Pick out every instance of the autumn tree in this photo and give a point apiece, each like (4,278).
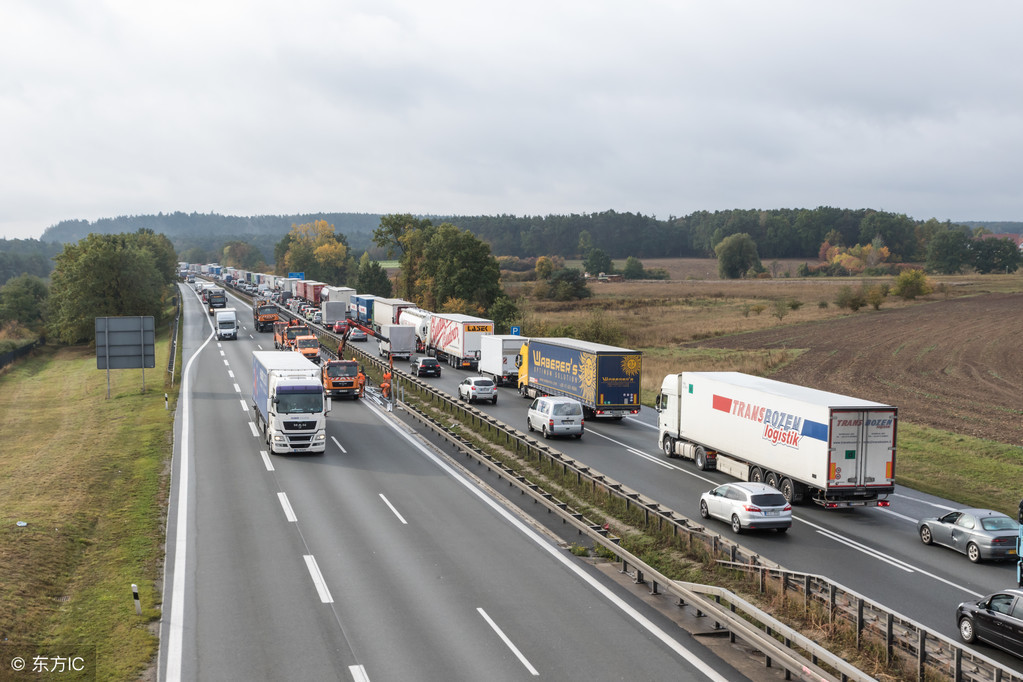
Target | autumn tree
(737,254)
(314,248)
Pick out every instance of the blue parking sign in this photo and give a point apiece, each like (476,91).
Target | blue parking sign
(516,331)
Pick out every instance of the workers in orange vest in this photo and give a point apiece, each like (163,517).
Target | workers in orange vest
(361,378)
(385,385)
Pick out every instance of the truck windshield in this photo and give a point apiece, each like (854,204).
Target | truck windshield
(336,371)
(227,324)
(266,310)
(296,403)
(308,343)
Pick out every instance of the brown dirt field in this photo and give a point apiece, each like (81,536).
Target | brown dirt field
(955,365)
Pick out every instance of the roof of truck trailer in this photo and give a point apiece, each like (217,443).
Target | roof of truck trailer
(587,346)
(787,390)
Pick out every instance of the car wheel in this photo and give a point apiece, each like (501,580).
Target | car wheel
(704,512)
(925,535)
(973,553)
(966,630)
(529,425)
(578,436)
(494,401)
(736,525)
(668,445)
(545,434)
(783,530)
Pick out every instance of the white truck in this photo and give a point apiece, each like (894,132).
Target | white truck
(287,396)
(333,311)
(832,449)
(497,358)
(226,323)
(455,338)
(387,310)
(419,320)
(398,341)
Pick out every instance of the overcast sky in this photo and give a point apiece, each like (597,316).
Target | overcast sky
(525,107)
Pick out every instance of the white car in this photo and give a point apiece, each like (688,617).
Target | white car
(475,389)
(556,416)
(747,506)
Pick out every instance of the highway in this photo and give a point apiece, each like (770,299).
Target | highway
(375,561)
(874,551)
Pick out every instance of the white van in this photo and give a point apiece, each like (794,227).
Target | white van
(227,324)
(556,416)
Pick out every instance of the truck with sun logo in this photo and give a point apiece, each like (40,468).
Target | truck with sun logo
(831,449)
(605,379)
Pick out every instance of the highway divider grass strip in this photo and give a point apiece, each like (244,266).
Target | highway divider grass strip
(88,477)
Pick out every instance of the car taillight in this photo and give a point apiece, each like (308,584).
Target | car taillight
(884,503)
(1002,541)
(788,507)
(550,423)
(751,508)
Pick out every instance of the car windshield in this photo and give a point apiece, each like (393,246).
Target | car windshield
(485,383)
(341,371)
(567,409)
(769,500)
(296,403)
(429,362)
(999,523)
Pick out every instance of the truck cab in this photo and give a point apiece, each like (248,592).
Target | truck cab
(340,377)
(227,324)
(309,346)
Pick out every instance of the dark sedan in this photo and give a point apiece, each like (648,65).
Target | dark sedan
(996,619)
(978,533)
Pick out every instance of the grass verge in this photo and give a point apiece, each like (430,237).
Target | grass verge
(88,476)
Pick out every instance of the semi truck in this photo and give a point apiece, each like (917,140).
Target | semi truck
(333,311)
(605,379)
(387,310)
(288,400)
(396,341)
(216,298)
(455,338)
(226,322)
(264,314)
(340,377)
(497,358)
(831,449)
(362,308)
(420,321)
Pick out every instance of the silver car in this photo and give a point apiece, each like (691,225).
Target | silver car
(747,506)
(475,389)
(556,416)
(978,533)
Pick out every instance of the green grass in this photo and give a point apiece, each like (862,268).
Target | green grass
(88,476)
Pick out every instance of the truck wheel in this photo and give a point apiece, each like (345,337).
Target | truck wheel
(771,479)
(756,475)
(700,458)
(788,490)
(668,445)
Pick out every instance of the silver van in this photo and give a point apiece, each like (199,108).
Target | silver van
(556,416)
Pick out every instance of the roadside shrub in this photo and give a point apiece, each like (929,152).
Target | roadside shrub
(794,304)
(876,295)
(912,283)
(822,304)
(848,298)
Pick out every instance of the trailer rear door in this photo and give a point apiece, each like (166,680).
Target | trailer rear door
(862,448)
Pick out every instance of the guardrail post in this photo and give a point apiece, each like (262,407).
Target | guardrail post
(921,654)
(889,646)
(859,622)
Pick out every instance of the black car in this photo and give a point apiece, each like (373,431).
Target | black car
(424,365)
(996,619)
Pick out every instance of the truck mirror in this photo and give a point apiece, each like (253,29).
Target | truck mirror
(657,403)
(518,360)
(328,405)
(1020,511)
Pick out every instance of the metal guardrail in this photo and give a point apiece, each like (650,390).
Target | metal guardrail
(12,355)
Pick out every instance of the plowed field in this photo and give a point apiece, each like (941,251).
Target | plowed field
(955,365)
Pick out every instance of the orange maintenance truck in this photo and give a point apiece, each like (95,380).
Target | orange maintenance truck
(308,346)
(285,334)
(264,315)
(340,377)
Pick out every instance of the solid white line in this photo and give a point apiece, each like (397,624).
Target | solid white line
(255,431)
(886,510)
(388,503)
(594,584)
(504,638)
(636,421)
(289,513)
(656,459)
(237,388)
(321,585)
(358,673)
(176,622)
(916,499)
(244,406)
(266,459)
(339,445)
(866,550)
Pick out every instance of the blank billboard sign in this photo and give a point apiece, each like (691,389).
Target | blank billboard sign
(125,342)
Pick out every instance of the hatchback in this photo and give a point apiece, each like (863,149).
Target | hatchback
(425,365)
(996,619)
(747,506)
(556,416)
(475,389)
(978,533)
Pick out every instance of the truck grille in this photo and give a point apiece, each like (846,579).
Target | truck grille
(298,426)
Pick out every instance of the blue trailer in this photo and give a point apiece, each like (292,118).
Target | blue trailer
(605,379)
(363,308)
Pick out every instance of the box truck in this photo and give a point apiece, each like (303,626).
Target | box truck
(456,338)
(333,311)
(398,341)
(605,379)
(832,449)
(497,358)
(290,408)
(362,308)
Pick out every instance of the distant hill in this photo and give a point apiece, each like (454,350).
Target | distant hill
(997,227)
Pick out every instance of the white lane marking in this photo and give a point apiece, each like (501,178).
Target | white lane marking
(339,445)
(869,551)
(358,673)
(508,643)
(915,568)
(886,510)
(933,504)
(636,421)
(321,585)
(230,374)
(226,363)
(222,350)
(245,407)
(266,460)
(388,503)
(656,459)
(555,552)
(289,513)
(237,388)
(255,431)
